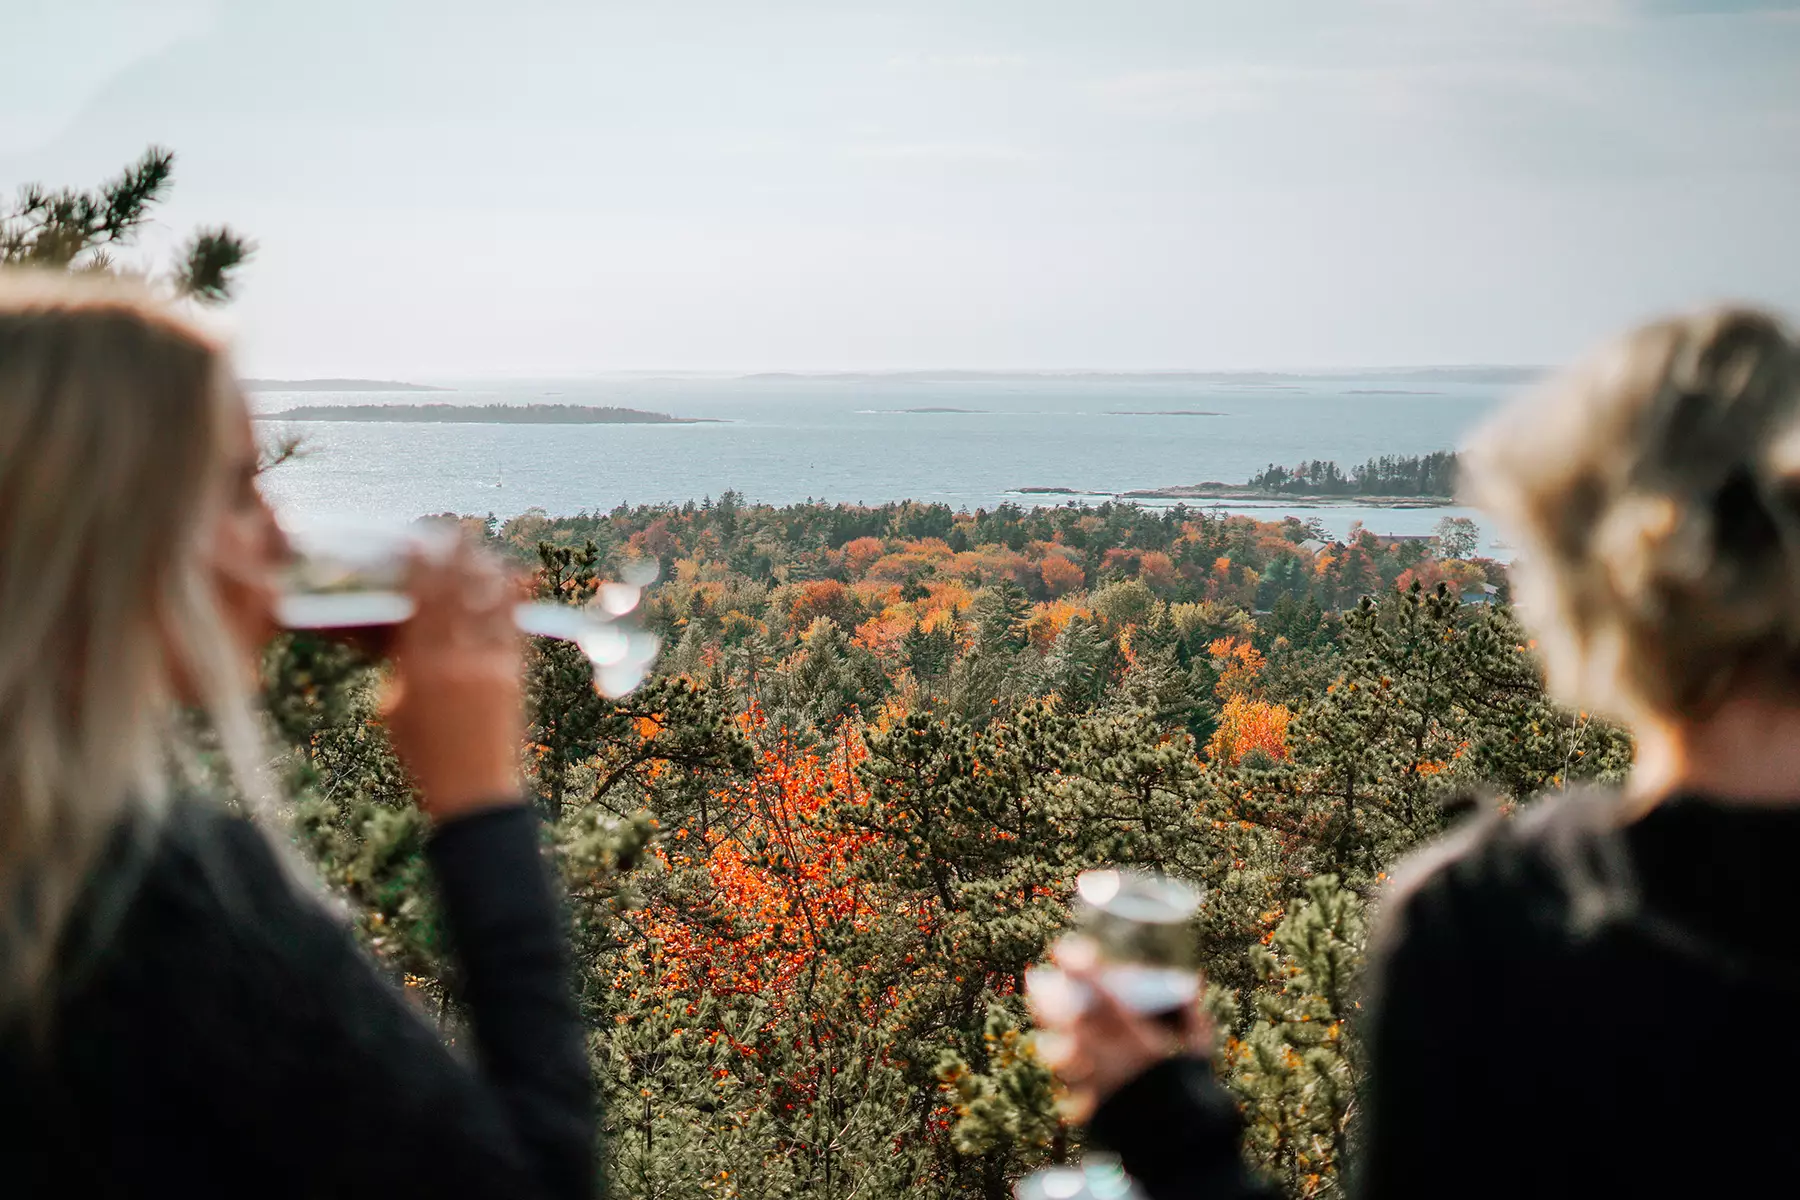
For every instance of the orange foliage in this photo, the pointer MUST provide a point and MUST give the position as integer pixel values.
(875, 596)
(883, 634)
(1246, 725)
(823, 598)
(945, 595)
(1273, 542)
(1157, 570)
(862, 554)
(991, 564)
(1461, 574)
(1119, 559)
(1060, 575)
(776, 875)
(1240, 665)
(921, 557)
(656, 539)
(1427, 574)
(1048, 620)
(936, 619)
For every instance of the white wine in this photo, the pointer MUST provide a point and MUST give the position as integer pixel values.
(1097, 1177)
(345, 580)
(1139, 927)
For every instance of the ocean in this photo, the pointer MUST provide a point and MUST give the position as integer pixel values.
(782, 439)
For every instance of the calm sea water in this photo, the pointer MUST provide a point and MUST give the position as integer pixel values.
(782, 440)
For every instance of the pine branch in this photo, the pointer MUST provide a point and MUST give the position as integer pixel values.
(209, 261)
(124, 203)
(73, 229)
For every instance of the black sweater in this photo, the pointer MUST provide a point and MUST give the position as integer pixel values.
(1571, 1003)
(225, 1036)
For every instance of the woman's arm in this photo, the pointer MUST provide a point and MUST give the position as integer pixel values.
(456, 714)
(504, 923)
(521, 1122)
(1178, 1132)
(1146, 1089)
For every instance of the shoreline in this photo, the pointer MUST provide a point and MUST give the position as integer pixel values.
(1219, 491)
(478, 414)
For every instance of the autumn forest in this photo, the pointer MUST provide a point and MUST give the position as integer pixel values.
(808, 863)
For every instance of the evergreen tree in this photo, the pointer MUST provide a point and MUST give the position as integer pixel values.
(999, 617)
(1078, 665)
(1296, 1069)
(86, 230)
(809, 863)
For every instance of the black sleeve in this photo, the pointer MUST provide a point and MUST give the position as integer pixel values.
(1177, 1133)
(236, 1036)
(504, 921)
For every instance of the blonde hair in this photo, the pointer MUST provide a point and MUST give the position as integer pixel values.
(1654, 497)
(115, 416)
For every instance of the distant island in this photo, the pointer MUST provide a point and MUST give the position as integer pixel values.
(334, 385)
(1421, 481)
(1230, 491)
(480, 414)
(1270, 380)
(965, 411)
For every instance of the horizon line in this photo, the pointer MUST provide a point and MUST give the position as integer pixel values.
(828, 373)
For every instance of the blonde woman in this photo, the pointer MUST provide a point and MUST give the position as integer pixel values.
(1594, 998)
(179, 1013)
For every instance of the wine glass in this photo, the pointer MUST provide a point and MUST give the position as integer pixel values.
(348, 577)
(1138, 925)
(1096, 1177)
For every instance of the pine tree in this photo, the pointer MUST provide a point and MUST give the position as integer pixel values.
(801, 951)
(1296, 1069)
(999, 617)
(1078, 665)
(1005, 1111)
(72, 229)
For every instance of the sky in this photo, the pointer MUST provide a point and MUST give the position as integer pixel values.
(450, 189)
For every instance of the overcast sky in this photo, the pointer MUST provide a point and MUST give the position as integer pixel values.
(445, 188)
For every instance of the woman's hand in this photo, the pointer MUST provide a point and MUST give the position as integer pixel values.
(1099, 1046)
(456, 707)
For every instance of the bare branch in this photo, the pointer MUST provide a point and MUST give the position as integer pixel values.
(285, 448)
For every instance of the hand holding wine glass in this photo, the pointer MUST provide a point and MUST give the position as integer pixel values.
(1094, 1041)
(347, 580)
(1123, 991)
(455, 707)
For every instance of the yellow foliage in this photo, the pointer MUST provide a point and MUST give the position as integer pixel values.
(1049, 620)
(945, 595)
(875, 594)
(936, 619)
